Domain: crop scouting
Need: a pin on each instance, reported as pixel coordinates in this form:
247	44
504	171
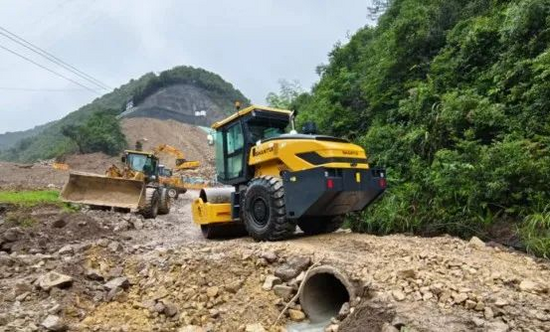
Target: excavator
181	162
171	178
135	187
278	181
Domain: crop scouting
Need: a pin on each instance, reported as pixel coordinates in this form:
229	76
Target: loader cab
143	162
237	134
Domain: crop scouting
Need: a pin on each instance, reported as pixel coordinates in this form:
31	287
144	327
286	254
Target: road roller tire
264	211
164	201
320	225
151	207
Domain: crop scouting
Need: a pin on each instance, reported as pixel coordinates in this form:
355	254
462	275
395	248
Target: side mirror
123	159
210	139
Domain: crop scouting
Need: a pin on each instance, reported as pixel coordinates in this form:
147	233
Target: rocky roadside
105	271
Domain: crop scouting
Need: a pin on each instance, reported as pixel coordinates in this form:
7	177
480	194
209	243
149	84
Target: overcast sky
250	43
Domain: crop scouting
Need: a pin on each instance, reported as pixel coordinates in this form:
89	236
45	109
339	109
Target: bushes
456	109
100	133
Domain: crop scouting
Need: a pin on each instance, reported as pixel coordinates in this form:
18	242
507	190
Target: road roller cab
278	181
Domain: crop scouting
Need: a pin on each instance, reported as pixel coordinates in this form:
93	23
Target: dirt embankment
123	273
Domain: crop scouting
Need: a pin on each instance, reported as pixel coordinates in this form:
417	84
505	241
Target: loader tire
173	193
320	225
164	201
151	208
264	211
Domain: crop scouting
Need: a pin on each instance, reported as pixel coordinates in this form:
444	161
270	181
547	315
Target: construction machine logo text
350	153
257	153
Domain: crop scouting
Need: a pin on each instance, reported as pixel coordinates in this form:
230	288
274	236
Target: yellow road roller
277	180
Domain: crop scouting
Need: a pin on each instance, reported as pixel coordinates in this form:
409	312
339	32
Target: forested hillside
51	142
453	98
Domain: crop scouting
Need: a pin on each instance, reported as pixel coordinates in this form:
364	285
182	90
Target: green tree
100	133
289	91
451	96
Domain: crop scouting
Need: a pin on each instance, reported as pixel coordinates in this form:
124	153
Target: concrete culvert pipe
323	293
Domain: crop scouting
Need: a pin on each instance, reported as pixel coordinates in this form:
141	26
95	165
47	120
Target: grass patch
30	198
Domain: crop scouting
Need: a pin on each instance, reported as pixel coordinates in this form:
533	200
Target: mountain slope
50	143
9	139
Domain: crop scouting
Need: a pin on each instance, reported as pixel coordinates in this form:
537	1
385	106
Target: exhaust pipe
323	293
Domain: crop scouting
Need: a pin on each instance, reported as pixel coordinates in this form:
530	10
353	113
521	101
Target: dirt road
104	271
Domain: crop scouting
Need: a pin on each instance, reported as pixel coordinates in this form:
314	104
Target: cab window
235	151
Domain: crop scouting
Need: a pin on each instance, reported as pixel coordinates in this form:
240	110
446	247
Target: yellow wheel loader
280	181
135	187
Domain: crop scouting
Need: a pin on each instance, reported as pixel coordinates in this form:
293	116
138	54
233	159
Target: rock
271	281
234	286
269	256
191	328
94	275
480	306
296	315
66	250
530	286
478	322
159	307
501	302
445	296
293	267
497	327
470	304
388	328
212	291
138	223
459	298
344	311
407	274
120	282
300	263
488	313
6	261
332	328
286	273
254	328
476	242
286	292
170	309
54	279
53	323
22	287
398	295
59	222
115	246
12	234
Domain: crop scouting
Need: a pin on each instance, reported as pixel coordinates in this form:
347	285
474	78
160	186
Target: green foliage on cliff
453	98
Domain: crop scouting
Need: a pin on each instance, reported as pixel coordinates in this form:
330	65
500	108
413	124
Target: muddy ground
105	271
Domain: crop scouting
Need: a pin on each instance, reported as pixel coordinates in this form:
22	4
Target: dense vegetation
51	143
101	132
453	98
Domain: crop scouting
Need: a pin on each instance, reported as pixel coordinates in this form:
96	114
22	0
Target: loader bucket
99	190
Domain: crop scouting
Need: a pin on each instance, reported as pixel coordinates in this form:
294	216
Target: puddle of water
307	327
